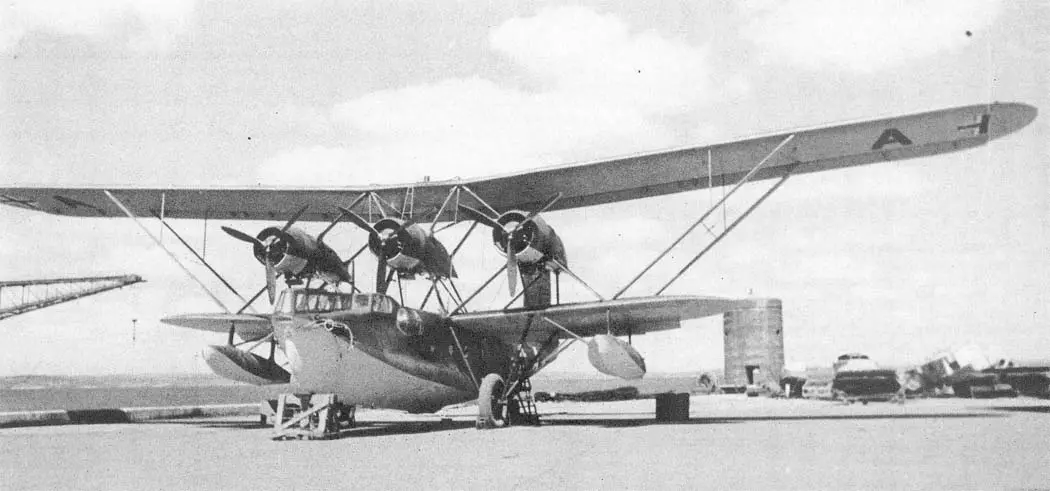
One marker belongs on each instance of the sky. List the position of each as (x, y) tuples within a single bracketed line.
[(897, 260)]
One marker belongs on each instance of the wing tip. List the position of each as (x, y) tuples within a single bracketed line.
[(1010, 117)]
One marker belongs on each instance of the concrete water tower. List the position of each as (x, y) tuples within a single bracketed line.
[(754, 343)]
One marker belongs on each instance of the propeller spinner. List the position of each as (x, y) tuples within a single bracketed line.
[(293, 252), (521, 237), (404, 246)]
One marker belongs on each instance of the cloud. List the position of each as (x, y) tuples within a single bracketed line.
[(864, 35), (580, 52), (594, 89), (146, 24)]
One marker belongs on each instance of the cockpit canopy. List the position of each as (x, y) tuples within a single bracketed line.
[(302, 301)]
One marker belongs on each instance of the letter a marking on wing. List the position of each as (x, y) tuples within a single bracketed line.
[(890, 135)]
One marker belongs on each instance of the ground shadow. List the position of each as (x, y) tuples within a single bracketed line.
[(404, 428), (602, 420), (253, 424), (596, 420), (363, 429), (1024, 409)]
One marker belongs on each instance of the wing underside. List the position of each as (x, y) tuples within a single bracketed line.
[(248, 327), (621, 317), (588, 184)]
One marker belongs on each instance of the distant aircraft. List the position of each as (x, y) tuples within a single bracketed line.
[(366, 348)]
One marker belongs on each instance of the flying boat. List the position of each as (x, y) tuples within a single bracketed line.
[(353, 344)]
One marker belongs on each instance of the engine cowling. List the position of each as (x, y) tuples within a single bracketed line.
[(409, 248), (294, 252), (612, 356), (532, 242)]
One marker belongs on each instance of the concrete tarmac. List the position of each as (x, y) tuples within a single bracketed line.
[(730, 442)]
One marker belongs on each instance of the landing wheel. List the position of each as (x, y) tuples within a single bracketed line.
[(492, 407)]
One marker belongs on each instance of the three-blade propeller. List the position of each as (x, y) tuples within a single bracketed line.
[(513, 235), (384, 239), (271, 243)]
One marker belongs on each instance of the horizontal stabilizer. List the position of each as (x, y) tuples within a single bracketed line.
[(248, 326)]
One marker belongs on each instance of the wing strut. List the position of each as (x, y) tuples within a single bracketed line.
[(522, 292), (743, 180), (565, 268), (448, 199), (247, 303), (483, 202), (455, 211), (563, 328), (161, 245), (726, 231), (476, 292), (463, 355)]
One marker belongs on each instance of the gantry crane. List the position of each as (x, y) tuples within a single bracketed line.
[(19, 297)]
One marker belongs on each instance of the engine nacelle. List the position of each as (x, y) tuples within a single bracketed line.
[(533, 241), (294, 252), (612, 356), (410, 248), (242, 366)]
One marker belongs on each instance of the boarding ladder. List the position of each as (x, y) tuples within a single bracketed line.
[(521, 407)]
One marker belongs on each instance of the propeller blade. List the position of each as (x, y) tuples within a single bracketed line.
[(479, 216), (342, 213), (294, 218), (360, 222), (320, 237), (512, 268), (380, 275), (237, 234), (271, 279), (548, 204)]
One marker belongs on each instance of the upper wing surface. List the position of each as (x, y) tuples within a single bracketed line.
[(594, 183), (619, 317)]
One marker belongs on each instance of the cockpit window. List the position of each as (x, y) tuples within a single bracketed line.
[(308, 301), (285, 303), (303, 301), (382, 304)]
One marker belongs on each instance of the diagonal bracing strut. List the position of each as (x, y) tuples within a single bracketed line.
[(726, 231), (157, 241), (743, 180)]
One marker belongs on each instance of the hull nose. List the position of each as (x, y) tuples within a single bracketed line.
[(315, 357)]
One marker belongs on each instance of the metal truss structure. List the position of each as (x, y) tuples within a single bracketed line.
[(19, 297)]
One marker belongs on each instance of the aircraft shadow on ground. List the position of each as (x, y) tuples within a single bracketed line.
[(603, 420), (1024, 409), (364, 429), (596, 420), (375, 429)]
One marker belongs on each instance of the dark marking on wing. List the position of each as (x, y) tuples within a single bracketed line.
[(75, 203)]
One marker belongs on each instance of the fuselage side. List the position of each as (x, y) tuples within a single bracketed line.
[(370, 351)]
